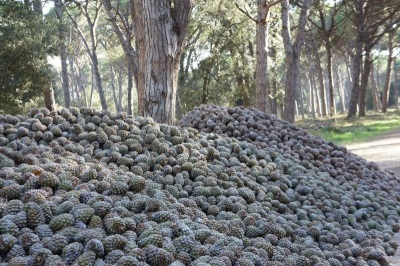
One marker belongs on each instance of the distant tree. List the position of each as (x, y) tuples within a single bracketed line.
[(91, 11), (262, 21), (372, 20), (118, 12), (329, 23), (59, 8), (24, 72)]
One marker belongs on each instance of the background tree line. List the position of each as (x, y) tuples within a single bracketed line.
[(161, 58)]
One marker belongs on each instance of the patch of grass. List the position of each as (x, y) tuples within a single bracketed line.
[(357, 129)]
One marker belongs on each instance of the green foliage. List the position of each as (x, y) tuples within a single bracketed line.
[(24, 72), (343, 131), (218, 66)]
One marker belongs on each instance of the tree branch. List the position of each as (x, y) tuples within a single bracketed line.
[(245, 12), (181, 14)]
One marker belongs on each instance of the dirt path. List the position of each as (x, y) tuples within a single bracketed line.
[(384, 150)]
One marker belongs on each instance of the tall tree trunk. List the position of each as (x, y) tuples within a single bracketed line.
[(332, 107), (375, 93), (312, 98), (321, 83), (161, 26), (339, 84), (120, 86), (364, 80), (386, 88), (357, 59), (62, 34), (262, 26), (396, 84), (355, 90), (113, 89), (293, 52), (130, 87), (312, 81)]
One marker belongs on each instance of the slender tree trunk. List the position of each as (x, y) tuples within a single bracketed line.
[(293, 52), (396, 84), (332, 107), (262, 102), (375, 93), (321, 83), (113, 89), (364, 81), (311, 94), (386, 87), (311, 76), (301, 99), (120, 85), (130, 87), (160, 31), (58, 6)]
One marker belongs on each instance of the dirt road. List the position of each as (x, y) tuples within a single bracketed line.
[(384, 150)]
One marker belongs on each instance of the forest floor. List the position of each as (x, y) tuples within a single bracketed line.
[(385, 151)]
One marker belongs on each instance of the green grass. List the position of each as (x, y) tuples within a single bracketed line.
[(342, 131)]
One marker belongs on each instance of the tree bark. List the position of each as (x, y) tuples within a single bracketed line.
[(386, 87), (357, 59), (58, 7), (396, 84), (293, 52), (161, 26), (49, 99), (364, 80), (332, 107), (262, 27)]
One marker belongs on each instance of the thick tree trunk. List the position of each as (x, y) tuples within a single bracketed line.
[(160, 31), (355, 90), (364, 81), (357, 58), (99, 83), (293, 52), (386, 87), (49, 99), (63, 52), (262, 26)]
